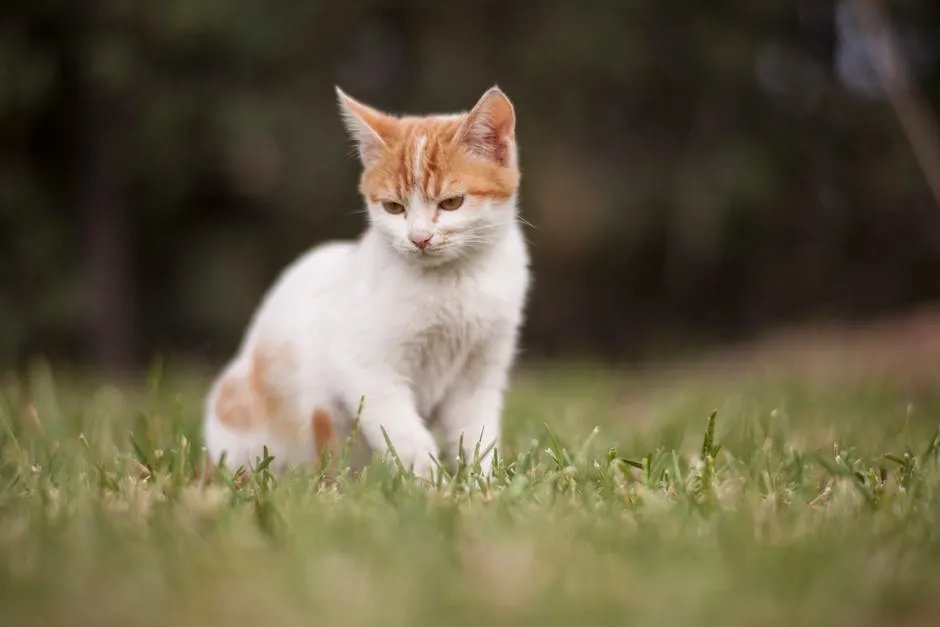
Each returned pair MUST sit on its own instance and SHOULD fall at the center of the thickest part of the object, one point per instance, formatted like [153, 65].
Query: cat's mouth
[429, 254]
[433, 250]
[429, 251]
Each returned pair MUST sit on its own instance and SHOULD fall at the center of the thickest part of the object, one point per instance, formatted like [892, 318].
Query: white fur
[416, 163]
[427, 338]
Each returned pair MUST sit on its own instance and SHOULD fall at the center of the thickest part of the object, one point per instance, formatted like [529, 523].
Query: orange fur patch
[245, 402]
[444, 168]
[235, 404]
[322, 432]
[261, 362]
[440, 156]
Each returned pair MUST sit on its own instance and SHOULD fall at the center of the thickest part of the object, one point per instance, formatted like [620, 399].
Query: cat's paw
[424, 469]
[415, 451]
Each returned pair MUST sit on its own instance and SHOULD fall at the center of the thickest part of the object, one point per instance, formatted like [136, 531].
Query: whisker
[480, 227]
[525, 222]
[470, 242]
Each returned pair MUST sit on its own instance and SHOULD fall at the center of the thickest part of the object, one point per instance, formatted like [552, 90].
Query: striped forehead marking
[417, 159]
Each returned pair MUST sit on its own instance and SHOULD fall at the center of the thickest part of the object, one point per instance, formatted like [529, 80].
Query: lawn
[814, 502]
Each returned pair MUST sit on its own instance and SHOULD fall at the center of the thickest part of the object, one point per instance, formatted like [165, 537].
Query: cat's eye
[452, 203]
[392, 207]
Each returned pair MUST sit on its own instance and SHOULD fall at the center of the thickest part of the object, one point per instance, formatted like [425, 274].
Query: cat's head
[437, 187]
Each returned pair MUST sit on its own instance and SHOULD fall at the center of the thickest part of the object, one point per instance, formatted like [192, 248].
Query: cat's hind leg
[237, 417]
[255, 403]
[247, 409]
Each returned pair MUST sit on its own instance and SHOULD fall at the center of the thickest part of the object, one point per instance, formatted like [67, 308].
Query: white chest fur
[429, 325]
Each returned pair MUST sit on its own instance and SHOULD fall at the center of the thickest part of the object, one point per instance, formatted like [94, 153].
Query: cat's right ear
[369, 128]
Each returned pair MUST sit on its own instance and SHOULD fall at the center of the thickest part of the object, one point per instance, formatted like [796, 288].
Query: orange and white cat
[419, 317]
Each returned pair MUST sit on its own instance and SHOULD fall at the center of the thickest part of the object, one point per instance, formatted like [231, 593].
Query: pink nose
[421, 241]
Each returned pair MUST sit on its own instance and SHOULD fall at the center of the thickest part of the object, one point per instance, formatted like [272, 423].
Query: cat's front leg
[471, 412]
[391, 407]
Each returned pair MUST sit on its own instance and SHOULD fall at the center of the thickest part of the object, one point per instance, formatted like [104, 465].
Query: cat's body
[419, 317]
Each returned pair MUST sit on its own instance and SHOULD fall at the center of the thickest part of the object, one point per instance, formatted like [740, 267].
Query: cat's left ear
[489, 129]
[371, 129]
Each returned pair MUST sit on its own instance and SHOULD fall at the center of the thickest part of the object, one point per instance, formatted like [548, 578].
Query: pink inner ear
[372, 129]
[489, 127]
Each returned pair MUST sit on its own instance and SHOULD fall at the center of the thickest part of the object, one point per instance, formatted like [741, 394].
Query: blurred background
[695, 172]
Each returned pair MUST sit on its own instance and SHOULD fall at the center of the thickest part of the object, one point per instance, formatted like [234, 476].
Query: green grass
[813, 502]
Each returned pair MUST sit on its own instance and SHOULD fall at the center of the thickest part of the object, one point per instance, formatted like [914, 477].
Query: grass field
[816, 503]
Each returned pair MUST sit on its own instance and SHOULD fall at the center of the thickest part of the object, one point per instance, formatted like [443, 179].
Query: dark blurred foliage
[693, 170]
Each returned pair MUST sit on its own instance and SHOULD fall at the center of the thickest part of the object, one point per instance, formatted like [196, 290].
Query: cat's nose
[421, 240]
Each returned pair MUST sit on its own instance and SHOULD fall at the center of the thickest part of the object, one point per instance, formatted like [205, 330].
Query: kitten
[418, 318]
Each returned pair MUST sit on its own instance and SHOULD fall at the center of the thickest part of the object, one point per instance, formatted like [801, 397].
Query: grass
[809, 498]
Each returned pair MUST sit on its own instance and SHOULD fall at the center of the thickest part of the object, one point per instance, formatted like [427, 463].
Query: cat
[411, 327]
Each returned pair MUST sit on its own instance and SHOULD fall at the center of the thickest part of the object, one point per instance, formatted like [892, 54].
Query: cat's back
[322, 266]
[307, 284]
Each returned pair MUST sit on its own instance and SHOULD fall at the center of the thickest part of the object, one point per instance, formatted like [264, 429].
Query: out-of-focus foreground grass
[815, 503]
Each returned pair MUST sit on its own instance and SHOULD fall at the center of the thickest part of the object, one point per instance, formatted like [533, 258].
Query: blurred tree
[94, 73]
[692, 170]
